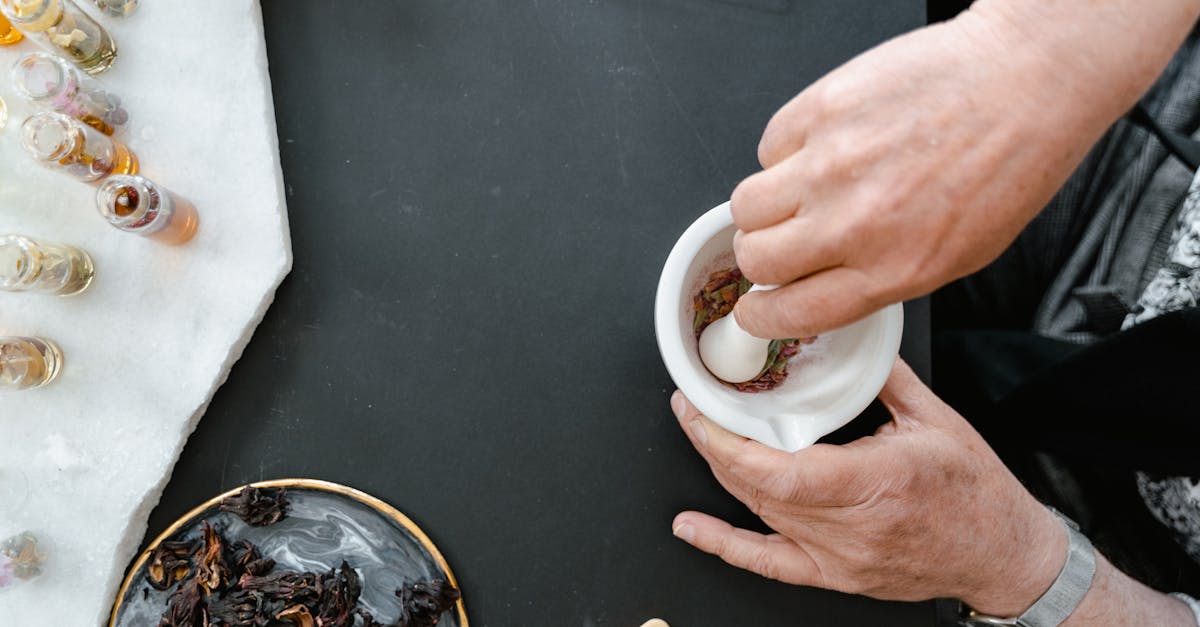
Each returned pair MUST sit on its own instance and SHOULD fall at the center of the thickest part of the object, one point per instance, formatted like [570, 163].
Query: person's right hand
[921, 160]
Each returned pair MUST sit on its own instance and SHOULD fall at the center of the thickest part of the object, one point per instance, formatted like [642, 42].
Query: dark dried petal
[247, 561]
[169, 563]
[211, 572]
[369, 621]
[257, 507]
[340, 590]
[297, 615]
[423, 603]
[183, 607]
[289, 587]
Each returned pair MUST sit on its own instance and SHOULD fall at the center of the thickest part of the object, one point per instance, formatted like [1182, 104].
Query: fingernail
[677, 403]
[698, 432]
[685, 532]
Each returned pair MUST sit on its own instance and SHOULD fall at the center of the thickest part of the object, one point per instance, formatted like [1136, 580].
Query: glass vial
[117, 8]
[62, 143]
[9, 35]
[28, 362]
[20, 560]
[61, 27]
[139, 205]
[29, 266]
[50, 82]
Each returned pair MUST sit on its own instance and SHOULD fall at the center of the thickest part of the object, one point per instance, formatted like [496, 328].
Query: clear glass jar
[50, 82]
[139, 205]
[63, 143]
[28, 362]
[117, 8]
[62, 27]
[9, 35]
[30, 266]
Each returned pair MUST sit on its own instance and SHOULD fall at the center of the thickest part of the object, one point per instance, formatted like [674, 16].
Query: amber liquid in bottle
[63, 25]
[181, 223]
[28, 362]
[8, 34]
[119, 160]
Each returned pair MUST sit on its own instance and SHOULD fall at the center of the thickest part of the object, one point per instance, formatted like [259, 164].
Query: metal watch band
[1064, 594]
[1192, 604]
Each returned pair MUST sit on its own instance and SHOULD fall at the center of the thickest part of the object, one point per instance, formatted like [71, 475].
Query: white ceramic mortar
[830, 383]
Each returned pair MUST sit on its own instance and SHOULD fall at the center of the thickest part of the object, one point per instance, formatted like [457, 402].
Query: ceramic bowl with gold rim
[326, 523]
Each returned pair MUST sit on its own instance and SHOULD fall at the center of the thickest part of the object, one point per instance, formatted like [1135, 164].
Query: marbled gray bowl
[326, 523]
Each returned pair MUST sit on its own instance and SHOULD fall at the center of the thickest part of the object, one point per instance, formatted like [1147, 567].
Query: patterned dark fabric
[1110, 226]
[1030, 349]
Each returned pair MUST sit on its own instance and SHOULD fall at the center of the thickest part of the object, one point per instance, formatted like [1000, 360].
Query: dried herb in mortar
[715, 301]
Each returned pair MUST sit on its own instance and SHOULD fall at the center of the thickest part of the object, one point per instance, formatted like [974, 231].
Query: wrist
[1105, 54]
[1019, 571]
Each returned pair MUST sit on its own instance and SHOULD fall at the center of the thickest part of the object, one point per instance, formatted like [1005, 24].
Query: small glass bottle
[50, 82]
[63, 143]
[20, 560]
[62, 27]
[28, 362]
[139, 205]
[117, 8]
[9, 35]
[29, 266]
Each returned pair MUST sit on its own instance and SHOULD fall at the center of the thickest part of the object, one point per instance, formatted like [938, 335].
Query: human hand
[921, 160]
[921, 509]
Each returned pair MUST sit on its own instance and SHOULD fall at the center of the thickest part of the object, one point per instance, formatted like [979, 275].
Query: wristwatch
[1064, 594]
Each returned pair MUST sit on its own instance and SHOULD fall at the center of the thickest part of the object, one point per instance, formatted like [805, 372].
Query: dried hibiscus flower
[224, 585]
[211, 572]
[257, 507]
[715, 300]
[170, 562]
[425, 602]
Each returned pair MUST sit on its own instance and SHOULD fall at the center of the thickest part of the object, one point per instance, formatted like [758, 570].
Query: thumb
[907, 397]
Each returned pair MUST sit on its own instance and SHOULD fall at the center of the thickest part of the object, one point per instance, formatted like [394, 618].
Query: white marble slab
[146, 346]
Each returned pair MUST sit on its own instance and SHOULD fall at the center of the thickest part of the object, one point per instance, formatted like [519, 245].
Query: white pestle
[729, 352]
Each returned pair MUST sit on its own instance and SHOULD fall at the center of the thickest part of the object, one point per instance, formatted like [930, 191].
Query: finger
[774, 556]
[690, 420]
[741, 458]
[787, 251]
[827, 300]
[697, 428]
[728, 453]
[786, 132]
[768, 197]
[755, 473]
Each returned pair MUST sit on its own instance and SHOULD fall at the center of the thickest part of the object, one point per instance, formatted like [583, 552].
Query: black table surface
[482, 194]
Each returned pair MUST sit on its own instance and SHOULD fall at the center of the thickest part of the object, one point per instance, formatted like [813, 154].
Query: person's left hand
[921, 509]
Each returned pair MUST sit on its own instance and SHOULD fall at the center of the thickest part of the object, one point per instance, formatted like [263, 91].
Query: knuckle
[766, 152]
[743, 201]
[838, 94]
[772, 138]
[789, 316]
[761, 562]
[752, 260]
[753, 499]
